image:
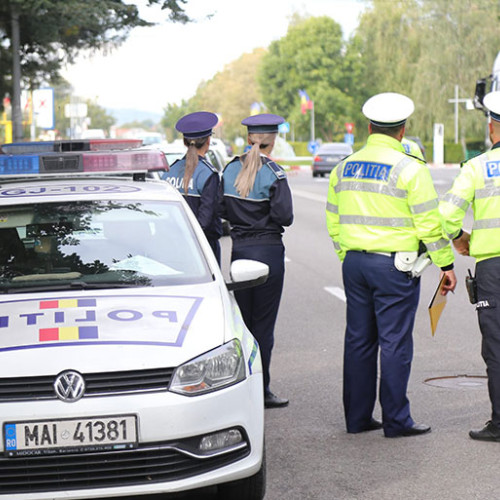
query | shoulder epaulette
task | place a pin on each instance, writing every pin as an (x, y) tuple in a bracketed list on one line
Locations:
[(209, 165), (277, 170)]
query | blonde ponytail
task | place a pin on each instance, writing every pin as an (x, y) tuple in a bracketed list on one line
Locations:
[(252, 162), (193, 146)]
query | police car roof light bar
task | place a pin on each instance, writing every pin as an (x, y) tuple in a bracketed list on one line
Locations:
[(101, 162), (19, 148)]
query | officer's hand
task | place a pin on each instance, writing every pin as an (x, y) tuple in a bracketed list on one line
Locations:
[(462, 244), (450, 282)]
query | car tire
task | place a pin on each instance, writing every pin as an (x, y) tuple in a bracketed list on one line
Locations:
[(315, 174), (250, 488)]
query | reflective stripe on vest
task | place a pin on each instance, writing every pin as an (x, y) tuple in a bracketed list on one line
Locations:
[(334, 209), (366, 220), (437, 245), (424, 207), (486, 224), (457, 201)]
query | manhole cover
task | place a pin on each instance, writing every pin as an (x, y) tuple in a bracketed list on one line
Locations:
[(459, 381)]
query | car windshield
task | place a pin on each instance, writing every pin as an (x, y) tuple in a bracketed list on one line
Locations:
[(97, 244)]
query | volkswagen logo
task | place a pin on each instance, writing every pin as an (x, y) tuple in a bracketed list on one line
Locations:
[(69, 386)]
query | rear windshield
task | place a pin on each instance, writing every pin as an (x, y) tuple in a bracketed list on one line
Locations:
[(337, 149), (97, 244)]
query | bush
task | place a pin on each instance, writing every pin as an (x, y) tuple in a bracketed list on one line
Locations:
[(300, 148), (453, 153)]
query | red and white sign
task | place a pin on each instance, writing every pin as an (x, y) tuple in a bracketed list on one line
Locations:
[(349, 127)]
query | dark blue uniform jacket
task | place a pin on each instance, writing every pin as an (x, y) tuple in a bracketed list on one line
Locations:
[(260, 217), (202, 195)]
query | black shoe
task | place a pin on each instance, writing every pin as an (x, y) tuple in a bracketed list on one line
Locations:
[(374, 425), (416, 430), (490, 432), (273, 401)]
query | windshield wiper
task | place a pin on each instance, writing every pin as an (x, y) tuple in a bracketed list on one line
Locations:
[(74, 285)]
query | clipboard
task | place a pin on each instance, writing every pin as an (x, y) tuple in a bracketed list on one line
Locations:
[(437, 304)]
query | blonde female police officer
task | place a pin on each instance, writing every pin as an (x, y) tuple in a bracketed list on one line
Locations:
[(196, 178), (258, 204)]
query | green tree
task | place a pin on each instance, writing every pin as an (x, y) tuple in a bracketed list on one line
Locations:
[(231, 93), (424, 48), (98, 117), (172, 113), (51, 32), (312, 57)]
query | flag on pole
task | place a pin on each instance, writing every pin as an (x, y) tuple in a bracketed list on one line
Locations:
[(305, 102)]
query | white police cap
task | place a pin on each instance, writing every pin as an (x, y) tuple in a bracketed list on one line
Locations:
[(492, 103), (388, 109)]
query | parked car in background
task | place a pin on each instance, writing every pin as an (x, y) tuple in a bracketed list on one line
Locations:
[(328, 156)]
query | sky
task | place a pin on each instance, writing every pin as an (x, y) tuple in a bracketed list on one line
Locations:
[(164, 64)]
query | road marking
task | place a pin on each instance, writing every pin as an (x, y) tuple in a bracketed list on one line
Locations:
[(309, 196), (337, 292)]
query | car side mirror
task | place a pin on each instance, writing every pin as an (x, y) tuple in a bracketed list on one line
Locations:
[(246, 274)]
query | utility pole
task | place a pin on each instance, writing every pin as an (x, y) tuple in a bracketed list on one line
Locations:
[(456, 101), (313, 133), (17, 117)]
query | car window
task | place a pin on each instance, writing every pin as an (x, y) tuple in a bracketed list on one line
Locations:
[(340, 149), (98, 244)]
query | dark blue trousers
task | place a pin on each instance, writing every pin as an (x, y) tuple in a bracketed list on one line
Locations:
[(488, 312), (259, 305), (381, 307)]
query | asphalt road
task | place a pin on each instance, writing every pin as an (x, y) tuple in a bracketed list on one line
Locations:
[(309, 454)]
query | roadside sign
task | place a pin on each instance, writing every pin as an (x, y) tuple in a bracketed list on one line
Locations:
[(312, 147), (43, 108), (284, 128), (349, 139), (349, 127)]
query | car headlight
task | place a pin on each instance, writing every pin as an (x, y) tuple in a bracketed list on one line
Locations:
[(211, 371)]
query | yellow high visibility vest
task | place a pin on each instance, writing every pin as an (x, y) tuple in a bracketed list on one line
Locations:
[(381, 200), (478, 184)]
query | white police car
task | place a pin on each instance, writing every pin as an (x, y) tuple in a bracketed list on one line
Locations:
[(125, 366)]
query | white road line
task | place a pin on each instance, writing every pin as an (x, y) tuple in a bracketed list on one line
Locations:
[(309, 196), (336, 291)]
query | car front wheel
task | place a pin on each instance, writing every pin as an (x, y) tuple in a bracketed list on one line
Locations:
[(250, 488)]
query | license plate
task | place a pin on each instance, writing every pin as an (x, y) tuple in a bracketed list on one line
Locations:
[(46, 437)]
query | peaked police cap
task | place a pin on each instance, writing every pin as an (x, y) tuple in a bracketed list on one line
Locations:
[(388, 109), (492, 103), (195, 125), (265, 123)]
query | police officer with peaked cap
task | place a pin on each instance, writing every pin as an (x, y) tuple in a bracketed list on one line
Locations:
[(478, 185), (258, 204), (196, 178), (381, 206)]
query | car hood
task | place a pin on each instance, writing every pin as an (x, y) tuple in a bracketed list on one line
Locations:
[(109, 330)]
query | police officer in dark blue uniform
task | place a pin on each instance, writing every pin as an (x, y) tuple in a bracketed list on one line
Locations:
[(258, 204), (196, 178)]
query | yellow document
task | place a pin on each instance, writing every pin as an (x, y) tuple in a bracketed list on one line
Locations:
[(437, 304)]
